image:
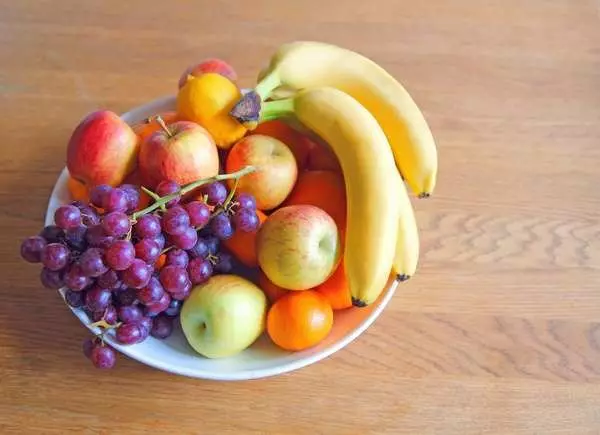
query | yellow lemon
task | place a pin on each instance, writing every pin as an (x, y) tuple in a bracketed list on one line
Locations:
[(207, 100)]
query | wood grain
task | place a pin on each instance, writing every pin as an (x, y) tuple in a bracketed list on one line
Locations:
[(500, 331)]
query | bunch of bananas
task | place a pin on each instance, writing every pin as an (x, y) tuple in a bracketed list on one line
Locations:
[(370, 121)]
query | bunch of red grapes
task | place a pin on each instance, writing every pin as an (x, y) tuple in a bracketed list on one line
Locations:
[(105, 255)]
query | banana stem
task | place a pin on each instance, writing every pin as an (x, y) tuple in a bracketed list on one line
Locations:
[(267, 85), (277, 109)]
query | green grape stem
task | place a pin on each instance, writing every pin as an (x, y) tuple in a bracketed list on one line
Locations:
[(189, 187)]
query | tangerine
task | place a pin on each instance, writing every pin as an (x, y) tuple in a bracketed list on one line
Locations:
[(323, 189), (299, 320), (243, 245), (78, 190), (273, 291), (336, 289)]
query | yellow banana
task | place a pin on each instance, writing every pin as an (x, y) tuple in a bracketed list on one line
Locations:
[(407, 244), (305, 65), (368, 166)]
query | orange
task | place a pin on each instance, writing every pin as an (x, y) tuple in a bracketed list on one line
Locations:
[(160, 262), (243, 245), (336, 290), (323, 189), (149, 125), (79, 191), (299, 320), (300, 144), (273, 291)]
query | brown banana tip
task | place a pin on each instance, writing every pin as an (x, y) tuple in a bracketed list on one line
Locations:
[(247, 110), (424, 195), (401, 277), (358, 303)]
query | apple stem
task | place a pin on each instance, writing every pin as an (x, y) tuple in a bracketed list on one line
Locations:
[(162, 124), (193, 185)]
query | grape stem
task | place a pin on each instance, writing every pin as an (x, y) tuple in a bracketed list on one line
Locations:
[(194, 185), (103, 324)]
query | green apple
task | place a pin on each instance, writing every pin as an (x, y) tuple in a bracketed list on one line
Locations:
[(223, 316), (298, 247)]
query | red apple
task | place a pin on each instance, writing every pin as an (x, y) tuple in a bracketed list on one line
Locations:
[(182, 151), (298, 247), (276, 171), (102, 149), (209, 66)]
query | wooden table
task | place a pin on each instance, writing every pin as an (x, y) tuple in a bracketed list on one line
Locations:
[(498, 333)]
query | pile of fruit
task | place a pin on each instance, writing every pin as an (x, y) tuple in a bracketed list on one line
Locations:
[(242, 212)]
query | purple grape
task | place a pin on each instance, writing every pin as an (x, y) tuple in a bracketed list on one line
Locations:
[(224, 263), (174, 308), (147, 226), (174, 279), (212, 242), (216, 193), (184, 292), (162, 326), (115, 201), (161, 240), (129, 314), (89, 217), (67, 216), (199, 270), (158, 307), (51, 279), (129, 333), (167, 187), (97, 299), (97, 238), (103, 357), (92, 263), (246, 201), (52, 234), (55, 256), (75, 299), (120, 255), (152, 292), (177, 257), (109, 315), (99, 193), (75, 238), (199, 213), (126, 297), (116, 224), (109, 280), (31, 248), (88, 346), (147, 250), (175, 221), (185, 240), (137, 275), (146, 325), (76, 279), (246, 220), (221, 226), (200, 249), (132, 193)]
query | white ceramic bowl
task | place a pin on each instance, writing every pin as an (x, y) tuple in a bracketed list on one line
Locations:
[(263, 358)]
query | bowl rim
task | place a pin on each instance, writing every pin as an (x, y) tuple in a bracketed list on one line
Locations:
[(130, 350)]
